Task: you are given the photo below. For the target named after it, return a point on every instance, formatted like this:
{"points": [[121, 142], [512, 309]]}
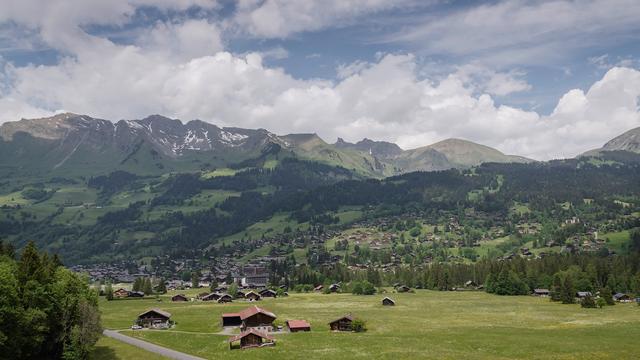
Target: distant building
{"points": [[252, 296], [225, 298], [257, 318], [268, 293], [298, 325], [621, 297], [255, 276], [541, 292], [121, 293], [252, 339], [387, 301], [154, 318], [342, 324], [179, 297]]}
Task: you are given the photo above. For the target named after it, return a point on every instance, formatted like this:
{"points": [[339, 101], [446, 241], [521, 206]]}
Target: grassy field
{"points": [[110, 349], [427, 324]]}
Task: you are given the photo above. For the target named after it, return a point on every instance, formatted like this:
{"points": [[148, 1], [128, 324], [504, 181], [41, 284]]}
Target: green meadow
{"points": [[427, 324]]}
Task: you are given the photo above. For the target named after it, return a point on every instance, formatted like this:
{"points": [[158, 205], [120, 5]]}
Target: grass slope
{"points": [[428, 324]]}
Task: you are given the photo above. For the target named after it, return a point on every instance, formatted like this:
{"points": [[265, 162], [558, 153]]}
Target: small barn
{"points": [[257, 318], [318, 288], [121, 293], [470, 283], [268, 293], [252, 296], [179, 297], [387, 301], [298, 325], [211, 297], [225, 298], [583, 294], [541, 292], [403, 289], [231, 319], [334, 288], [342, 324], [251, 339], [154, 318], [621, 297], [136, 294]]}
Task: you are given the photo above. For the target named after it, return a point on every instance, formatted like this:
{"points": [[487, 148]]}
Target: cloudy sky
{"points": [[544, 79]]}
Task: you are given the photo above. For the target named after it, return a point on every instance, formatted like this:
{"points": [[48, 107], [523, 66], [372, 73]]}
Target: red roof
{"points": [[298, 324], [253, 310], [231, 315], [250, 331]]}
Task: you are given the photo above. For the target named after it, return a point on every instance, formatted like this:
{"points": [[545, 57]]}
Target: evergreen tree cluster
{"points": [[46, 311]]}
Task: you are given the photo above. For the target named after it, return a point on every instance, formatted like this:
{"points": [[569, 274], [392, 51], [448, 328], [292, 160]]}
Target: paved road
{"points": [[172, 354]]}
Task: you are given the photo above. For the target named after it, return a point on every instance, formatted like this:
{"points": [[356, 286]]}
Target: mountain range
{"points": [[72, 144]]}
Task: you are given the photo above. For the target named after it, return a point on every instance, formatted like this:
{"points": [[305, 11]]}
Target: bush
{"points": [[587, 302], [358, 325], [601, 303]]}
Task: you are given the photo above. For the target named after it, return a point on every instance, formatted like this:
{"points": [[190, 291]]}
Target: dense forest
{"points": [[309, 191], [46, 310]]}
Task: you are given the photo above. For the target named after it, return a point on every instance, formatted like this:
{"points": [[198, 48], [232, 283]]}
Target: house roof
{"points": [[347, 317], [267, 290], [250, 331], [253, 310], [390, 299], [298, 324], [251, 292], [231, 315], [583, 293], [157, 311], [620, 295], [540, 290]]}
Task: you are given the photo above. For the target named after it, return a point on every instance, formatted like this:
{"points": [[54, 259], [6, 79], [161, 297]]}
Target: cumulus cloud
{"points": [[181, 69]]}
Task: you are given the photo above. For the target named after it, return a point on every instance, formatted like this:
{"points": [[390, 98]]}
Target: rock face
{"points": [[629, 141], [79, 144]]}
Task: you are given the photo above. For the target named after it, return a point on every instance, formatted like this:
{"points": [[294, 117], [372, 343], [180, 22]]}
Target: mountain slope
{"points": [[79, 145], [463, 153], [627, 142]]}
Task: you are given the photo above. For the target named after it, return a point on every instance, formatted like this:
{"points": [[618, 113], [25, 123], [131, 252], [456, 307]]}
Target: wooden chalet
{"points": [[541, 292], [257, 318], [470, 283], [225, 298], [268, 293], [403, 289], [318, 288], [121, 293], [298, 325], [252, 296], [211, 297], [136, 294], [621, 297], [583, 294], [179, 297], [334, 288], [342, 324], [387, 301], [154, 318], [251, 339]]}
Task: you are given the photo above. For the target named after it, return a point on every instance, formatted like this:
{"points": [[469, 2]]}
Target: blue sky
{"points": [[544, 79]]}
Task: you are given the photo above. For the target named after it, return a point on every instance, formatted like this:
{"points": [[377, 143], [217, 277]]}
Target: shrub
{"points": [[587, 302], [358, 325]]}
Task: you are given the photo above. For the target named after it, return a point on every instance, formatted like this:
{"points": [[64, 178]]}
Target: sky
{"points": [[542, 79]]}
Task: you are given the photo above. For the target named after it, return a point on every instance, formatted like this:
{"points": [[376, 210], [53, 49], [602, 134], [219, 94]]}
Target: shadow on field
{"points": [[103, 353]]}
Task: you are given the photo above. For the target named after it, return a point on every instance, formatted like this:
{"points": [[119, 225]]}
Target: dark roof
{"points": [[620, 296], [347, 317], [389, 299], [541, 291], [298, 324], [157, 311], [250, 331]]}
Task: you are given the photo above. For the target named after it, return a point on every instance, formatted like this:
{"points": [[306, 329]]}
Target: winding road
{"points": [[172, 354]]}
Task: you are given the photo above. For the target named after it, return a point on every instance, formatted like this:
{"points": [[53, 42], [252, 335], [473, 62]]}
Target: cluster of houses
{"points": [[256, 324], [619, 297], [220, 296], [124, 293]]}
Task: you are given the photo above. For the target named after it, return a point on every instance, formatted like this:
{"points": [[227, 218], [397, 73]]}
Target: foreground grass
{"points": [[427, 324], [111, 349]]}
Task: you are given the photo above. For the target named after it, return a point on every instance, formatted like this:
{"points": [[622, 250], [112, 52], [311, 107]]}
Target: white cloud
{"points": [[180, 69], [282, 18], [524, 32]]}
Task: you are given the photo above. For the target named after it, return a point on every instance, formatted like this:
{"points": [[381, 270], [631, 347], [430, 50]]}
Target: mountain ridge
{"points": [[157, 143]]}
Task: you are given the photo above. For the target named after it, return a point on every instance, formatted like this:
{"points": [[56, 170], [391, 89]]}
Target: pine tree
{"points": [[162, 287], [137, 284], [108, 291], [605, 293], [588, 302], [556, 288], [567, 292], [146, 286]]}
